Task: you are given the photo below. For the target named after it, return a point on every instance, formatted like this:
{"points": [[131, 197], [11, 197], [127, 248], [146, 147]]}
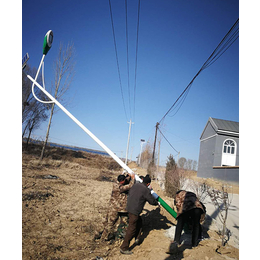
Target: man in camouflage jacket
{"points": [[117, 203]]}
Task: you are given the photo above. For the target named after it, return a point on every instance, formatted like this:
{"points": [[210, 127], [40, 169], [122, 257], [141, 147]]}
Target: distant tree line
{"points": [[187, 164]]}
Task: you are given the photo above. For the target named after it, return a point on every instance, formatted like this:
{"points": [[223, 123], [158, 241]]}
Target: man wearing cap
{"points": [[137, 197], [117, 205]]}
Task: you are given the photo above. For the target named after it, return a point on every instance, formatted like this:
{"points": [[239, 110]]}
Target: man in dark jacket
{"points": [[137, 197]]}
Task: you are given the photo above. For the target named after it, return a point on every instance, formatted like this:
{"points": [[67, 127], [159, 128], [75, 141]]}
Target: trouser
{"points": [[111, 218], [193, 215], [134, 230], [122, 227], [109, 224]]}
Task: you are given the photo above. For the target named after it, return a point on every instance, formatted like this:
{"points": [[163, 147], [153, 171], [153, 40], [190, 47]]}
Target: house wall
{"points": [[228, 175], [211, 146], [206, 158]]}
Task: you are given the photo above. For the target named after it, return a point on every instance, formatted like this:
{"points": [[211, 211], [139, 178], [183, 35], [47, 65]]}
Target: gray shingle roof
{"points": [[225, 125]]}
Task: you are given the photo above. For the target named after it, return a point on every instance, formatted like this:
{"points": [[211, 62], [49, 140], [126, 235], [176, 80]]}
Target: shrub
{"points": [[173, 177]]}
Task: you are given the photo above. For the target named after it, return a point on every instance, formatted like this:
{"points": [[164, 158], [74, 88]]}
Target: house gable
{"points": [[213, 158], [208, 132], [216, 126]]}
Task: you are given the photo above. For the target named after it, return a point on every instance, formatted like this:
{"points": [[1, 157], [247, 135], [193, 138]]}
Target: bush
{"points": [[151, 170], [173, 177]]}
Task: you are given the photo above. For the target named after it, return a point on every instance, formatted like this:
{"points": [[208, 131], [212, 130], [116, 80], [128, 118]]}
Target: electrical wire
{"points": [[118, 69], [168, 141], [127, 58], [216, 54], [136, 52]]}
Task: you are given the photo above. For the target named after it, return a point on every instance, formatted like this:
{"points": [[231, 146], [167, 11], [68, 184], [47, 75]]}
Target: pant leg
{"points": [[196, 228], [130, 232], [139, 226], [179, 227], [112, 217]]}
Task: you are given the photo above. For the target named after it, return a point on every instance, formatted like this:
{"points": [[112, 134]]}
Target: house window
{"points": [[229, 153]]}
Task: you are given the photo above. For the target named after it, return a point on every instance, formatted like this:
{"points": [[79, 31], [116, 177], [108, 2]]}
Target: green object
{"points": [[167, 207], [47, 43]]}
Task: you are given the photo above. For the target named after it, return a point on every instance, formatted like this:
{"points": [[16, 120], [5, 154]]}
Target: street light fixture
{"points": [[142, 142], [47, 43]]}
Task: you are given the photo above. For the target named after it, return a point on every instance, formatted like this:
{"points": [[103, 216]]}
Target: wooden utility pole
{"points": [[158, 163], [157, 125]]}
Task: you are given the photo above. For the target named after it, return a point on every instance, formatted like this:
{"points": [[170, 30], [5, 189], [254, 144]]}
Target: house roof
{"points": [[223, 126]]}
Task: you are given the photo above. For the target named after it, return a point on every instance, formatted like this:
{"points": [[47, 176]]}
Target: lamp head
{"points": [[48, 39]]}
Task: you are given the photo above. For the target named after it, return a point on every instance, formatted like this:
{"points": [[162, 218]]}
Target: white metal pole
{"points": [[140, 152], [123, 165], [127, 147], [43, 56]]}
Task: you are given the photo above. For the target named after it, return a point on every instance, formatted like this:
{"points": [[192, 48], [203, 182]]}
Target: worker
{"points": [[117, 205], [189, 209], [137, 197]]}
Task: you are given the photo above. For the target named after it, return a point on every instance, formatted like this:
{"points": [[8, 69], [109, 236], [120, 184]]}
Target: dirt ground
{"points": [[65, 200]]}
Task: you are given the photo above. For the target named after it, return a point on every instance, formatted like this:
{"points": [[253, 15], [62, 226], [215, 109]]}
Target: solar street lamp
{"points": [[48, 39]]}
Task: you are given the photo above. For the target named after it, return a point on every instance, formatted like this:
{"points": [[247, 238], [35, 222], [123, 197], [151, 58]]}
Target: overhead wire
{"points": [[118, 69], [127, 59], [136, 52], [135, 77], [127, 54], [216, 54], [167, 141]]}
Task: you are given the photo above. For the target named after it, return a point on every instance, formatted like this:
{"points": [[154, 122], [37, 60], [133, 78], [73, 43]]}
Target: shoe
{"points": [[110, 237], [174, 248], [98, 235], [138, 241], [126, 252]]}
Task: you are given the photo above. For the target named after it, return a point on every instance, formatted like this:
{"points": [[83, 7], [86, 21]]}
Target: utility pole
{"points": [[127, 147], [158, 164], [157, 125]]}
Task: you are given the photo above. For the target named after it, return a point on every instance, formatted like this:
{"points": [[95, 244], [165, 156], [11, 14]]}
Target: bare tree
{"points": [[64, 72], [146, 156], [182, 162], [200, 189], [222, 200], [33, 112], [189, 164], [194, 165]]}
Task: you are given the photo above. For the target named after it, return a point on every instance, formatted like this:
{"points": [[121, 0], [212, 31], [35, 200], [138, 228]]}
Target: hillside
{"points": [[65, 199]]}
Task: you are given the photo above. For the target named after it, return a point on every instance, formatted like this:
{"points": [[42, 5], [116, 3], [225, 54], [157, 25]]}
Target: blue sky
{"points": [[175, 39]]}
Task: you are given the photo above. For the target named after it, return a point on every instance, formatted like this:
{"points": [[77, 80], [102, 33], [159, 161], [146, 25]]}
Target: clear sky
{"points": [[175, 39]]}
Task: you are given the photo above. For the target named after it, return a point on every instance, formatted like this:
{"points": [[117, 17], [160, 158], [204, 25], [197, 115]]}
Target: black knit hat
{"points": [[121, 177], [147, 179]]}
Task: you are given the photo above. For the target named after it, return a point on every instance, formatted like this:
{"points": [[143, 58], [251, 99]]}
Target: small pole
{"points": [[127, 147]]}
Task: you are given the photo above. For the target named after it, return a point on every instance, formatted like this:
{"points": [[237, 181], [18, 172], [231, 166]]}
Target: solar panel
{"points": [[24, 60]]}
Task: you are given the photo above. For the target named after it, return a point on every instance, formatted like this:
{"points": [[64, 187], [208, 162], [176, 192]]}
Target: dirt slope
{"points": [[65, 199]]}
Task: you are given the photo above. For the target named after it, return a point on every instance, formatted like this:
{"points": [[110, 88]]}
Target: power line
{"points": [[136, 52], [223, 46], [167, 141], [127, 58], [119, 75]]}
